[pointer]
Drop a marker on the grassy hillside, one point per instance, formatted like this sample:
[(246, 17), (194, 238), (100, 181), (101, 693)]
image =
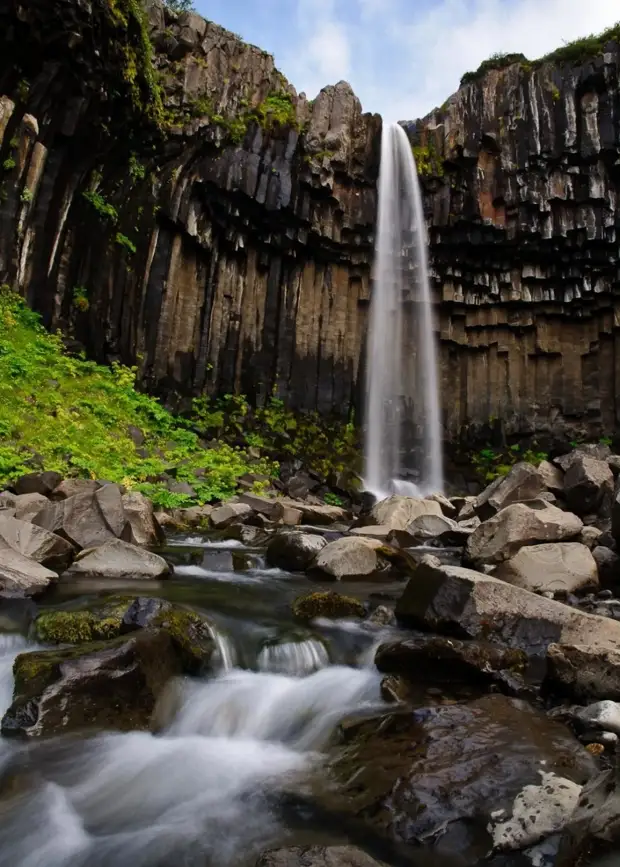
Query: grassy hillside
[(75, 416)]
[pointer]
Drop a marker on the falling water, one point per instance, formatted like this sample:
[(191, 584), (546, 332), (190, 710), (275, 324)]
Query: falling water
[(402, 382)]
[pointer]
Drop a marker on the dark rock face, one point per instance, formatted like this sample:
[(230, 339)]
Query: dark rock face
[(252, 262)]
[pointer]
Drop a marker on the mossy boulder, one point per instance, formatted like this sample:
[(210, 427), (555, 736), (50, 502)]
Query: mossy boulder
[(79, 627), (100, 685), (326, 604), (191, 636)]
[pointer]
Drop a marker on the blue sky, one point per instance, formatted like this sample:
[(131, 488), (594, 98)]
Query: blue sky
[(402, 57)]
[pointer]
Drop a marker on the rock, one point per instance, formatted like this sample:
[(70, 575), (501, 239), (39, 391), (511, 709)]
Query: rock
[(270, 508), (377, 531), (398, 512), (349, 559), (613, 462), (330, 605), (521, 524), (7, 502), (603, 715), (191, 633), (294, 551), (245, 534), (86, 520), (450, 776), (70, 487), (615, 512), (300, 485), (100, 622), (119, 560), (462, 602), (104, 685), (582, 672), (37, 483), (608, 565), (142, 613), (35, 543), (315, 514), (139, 514), (588, 486), (290, 516), (318, 856), (557, 567), (28, 505), (437, 529), (590, 537), (448, 508), (552, 477), (435, 659), (231, 513), (19, 575), (382, 616), (523, 482), (190, 518)]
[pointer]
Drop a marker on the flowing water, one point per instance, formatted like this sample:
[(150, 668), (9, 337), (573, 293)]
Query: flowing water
[(402, 401), (206, 788)]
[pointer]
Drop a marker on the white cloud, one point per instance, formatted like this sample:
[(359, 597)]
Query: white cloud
[(404, 57)]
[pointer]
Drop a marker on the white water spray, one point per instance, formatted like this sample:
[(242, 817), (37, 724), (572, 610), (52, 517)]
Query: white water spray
[(402, 400)]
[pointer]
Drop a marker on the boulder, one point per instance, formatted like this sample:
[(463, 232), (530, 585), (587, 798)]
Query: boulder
[(35, 543), (232, 513), (294, 551), (290, 516), (19, 575), (118, 560), (373, 531), (448, 508), (398, 512), (436, 659), (139, 514), (318, 856), (37, 483), (105, 685), (462, 602), (453, 776), (590, 537), (270, 508), (554, 567), (608, 566), (349, 559), (70, 487), (552, 477), (588, 486), (7, 502), (99, 622), (330, 605), (597, 451), (436, 529), (317, 514), (583, 672), (603, 715), (28, 505), (523, 482), (518, 525), (86, 520)]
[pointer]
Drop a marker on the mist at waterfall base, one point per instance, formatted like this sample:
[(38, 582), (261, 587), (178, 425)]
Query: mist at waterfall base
[(403, 452), (200, 792)]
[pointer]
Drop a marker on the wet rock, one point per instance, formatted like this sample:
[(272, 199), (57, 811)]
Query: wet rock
[(37, 483), (142, 613), (16, 613), (231, 513), (294, 551), (468, 604), (318, 856), (86, 520), (603, 715), (436, 659), (556, 567), (28, 505), (398, 512), (449, 775), (36, 543), (71, 487), (588, 485), (246, 534), (518, 525), (118, 560), (582, 672), (349, 559), (191, 635), (552, 476), (608, 565), (333, 606), (22, 576), (138, 511), (107, 685), (382, 616), (523, 482)]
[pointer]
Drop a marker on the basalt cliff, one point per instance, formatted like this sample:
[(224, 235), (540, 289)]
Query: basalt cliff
[(167, 199)]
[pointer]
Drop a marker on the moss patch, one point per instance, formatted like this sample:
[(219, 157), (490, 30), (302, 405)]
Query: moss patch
[(327, 604), (79, 627), (191, 636)]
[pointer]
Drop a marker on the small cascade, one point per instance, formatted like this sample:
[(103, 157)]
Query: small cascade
[(293, 657), (403, 415)]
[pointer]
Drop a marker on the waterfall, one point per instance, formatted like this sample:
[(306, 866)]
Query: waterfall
[(402, 400)]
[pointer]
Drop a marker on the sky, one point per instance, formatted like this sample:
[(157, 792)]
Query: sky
[(402, 57)]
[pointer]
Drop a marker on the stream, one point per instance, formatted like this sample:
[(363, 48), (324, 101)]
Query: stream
[(208, 788)]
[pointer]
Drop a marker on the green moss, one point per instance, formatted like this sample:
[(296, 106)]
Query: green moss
[(33, 672), (79, 627), (191, 636), (326, 604), (428, 161)]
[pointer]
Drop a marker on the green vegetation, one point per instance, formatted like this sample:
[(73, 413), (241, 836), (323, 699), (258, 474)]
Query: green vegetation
[(428, 161), (105, 210), (572, 53), (26, 195), (75, 416), (124, 241), (9, 164), (491, 463), (80, 299), (79, 627)]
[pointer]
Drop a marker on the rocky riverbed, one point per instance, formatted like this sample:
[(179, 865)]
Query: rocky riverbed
[(285, 683)]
